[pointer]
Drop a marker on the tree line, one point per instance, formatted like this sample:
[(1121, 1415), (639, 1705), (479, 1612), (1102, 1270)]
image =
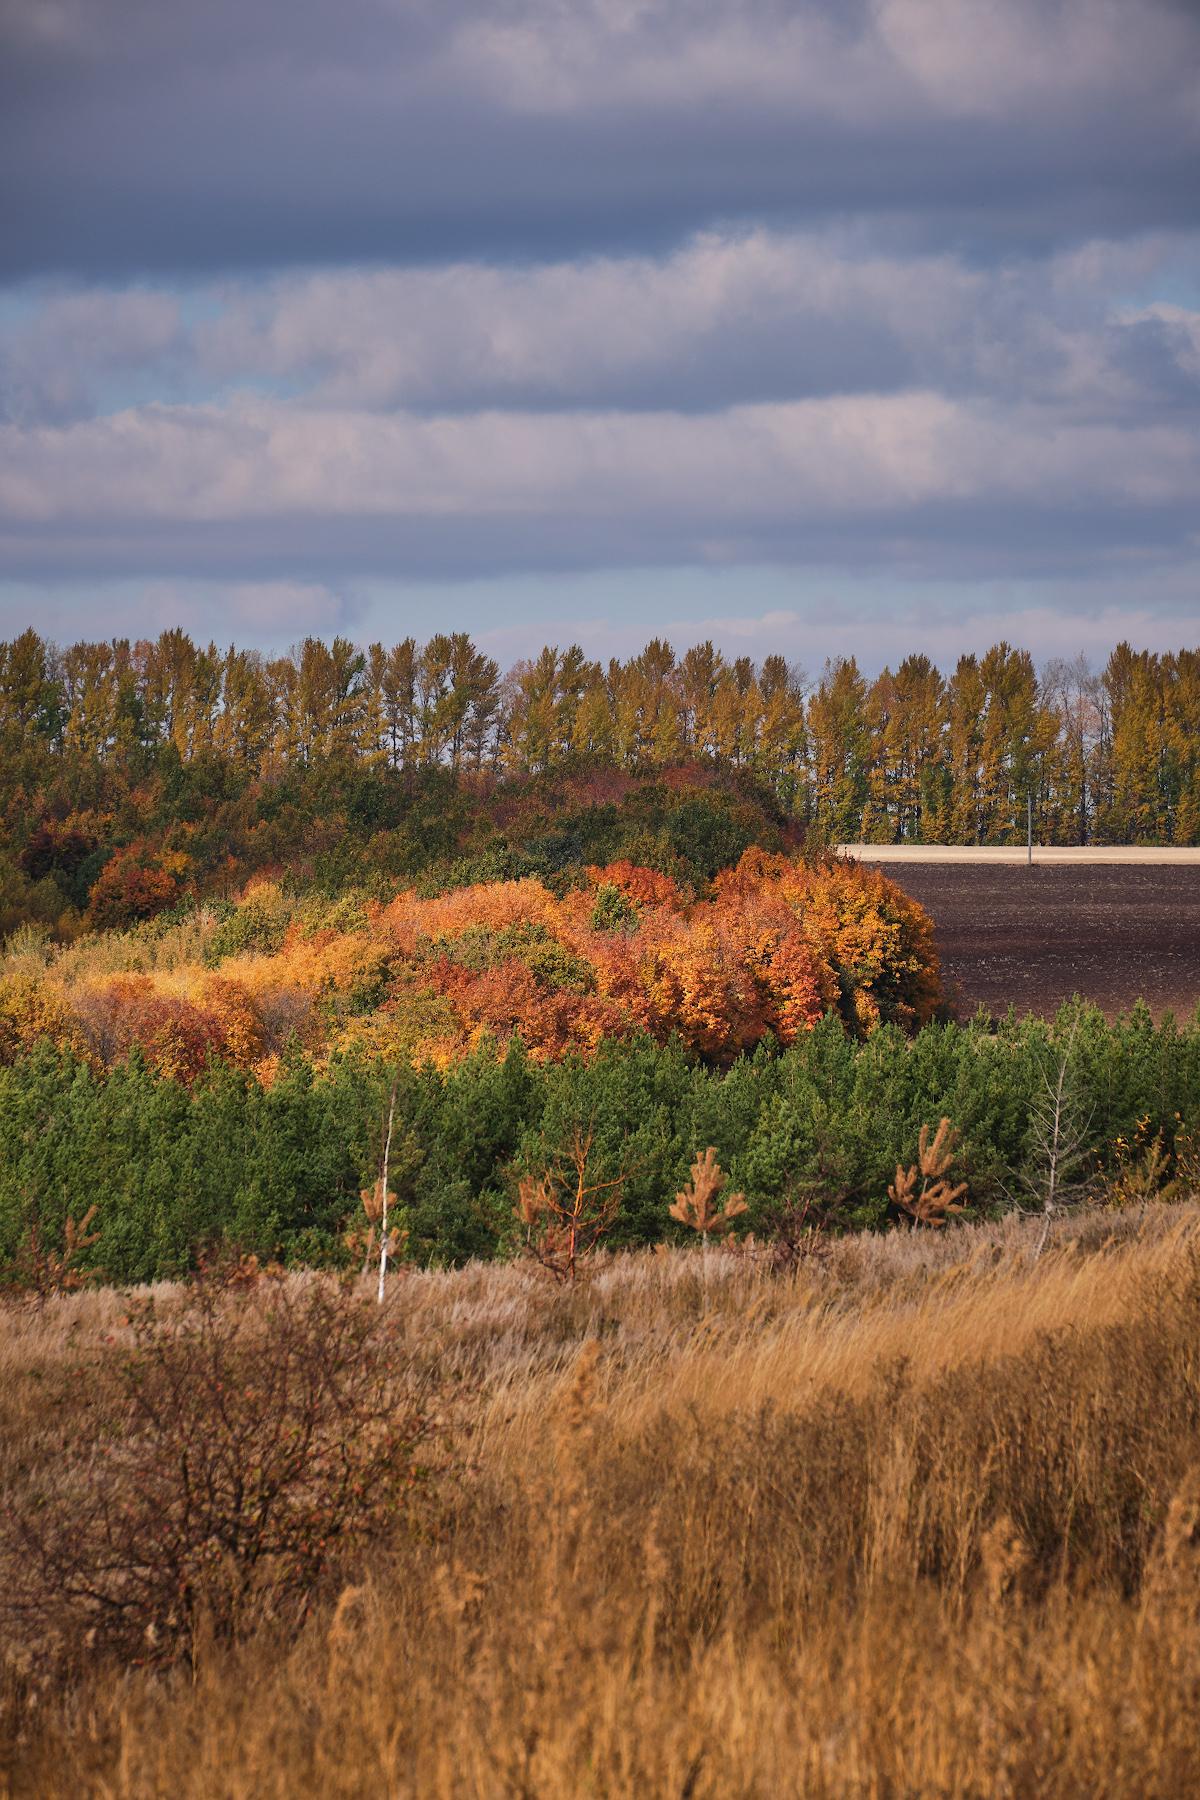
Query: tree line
[(1106, 756)]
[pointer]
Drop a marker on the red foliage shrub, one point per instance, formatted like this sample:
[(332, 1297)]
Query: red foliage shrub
[(877, 940), (646, 887), (176, 1037), (130, 887), (56, 846), (778, 944)]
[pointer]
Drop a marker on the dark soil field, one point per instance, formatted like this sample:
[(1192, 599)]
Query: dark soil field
[(1033, 937)]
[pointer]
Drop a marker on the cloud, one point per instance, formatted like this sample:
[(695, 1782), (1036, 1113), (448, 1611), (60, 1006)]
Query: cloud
[(303, 298), (55, 363), (728, 316), (915, 478), (734, 316), (962, 58), (944, 634), (139, 136), (257, 609), (275, 613)]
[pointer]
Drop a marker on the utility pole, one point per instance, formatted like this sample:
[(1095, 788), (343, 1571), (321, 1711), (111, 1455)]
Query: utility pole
[(1029, 826)]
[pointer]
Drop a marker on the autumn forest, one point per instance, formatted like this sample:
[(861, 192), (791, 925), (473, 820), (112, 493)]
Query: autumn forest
[(245, 899)]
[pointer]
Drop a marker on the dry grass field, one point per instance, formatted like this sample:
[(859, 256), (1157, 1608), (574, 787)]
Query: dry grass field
[(919, 1518)]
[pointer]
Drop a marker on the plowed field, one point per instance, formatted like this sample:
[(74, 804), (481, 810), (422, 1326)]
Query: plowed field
[(1032, 937)]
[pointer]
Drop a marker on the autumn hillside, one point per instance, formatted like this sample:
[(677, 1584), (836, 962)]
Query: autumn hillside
[(245, 903), (768, 950)]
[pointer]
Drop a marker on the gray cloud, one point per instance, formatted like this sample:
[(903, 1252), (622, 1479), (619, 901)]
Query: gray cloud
[(301, 297), (54, 365), (242, 612), (139, 136), (916, 479), (726, 318), (1049, 630)]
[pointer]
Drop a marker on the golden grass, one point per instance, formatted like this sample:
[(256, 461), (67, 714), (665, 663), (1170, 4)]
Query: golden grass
[(921, 1520)]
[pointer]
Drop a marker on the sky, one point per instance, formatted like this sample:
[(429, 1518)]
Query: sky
[(826, 327)]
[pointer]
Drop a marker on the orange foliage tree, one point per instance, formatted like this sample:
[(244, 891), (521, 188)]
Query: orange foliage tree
[(176, 1037)]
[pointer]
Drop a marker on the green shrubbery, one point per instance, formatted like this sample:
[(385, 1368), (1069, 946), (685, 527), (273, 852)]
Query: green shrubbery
[(278, 1170)]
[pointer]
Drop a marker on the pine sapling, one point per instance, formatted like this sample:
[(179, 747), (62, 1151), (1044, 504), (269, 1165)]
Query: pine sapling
[(695, 1205), (44, 1272), (364, 1240), (1146, 1180), (936, 1198)]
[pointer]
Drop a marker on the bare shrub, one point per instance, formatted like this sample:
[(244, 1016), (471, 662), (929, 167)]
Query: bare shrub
[(223, 1455), (286, 1013), (798, 1232), (565, 1214), (40, 1271), (1059, 1133)]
